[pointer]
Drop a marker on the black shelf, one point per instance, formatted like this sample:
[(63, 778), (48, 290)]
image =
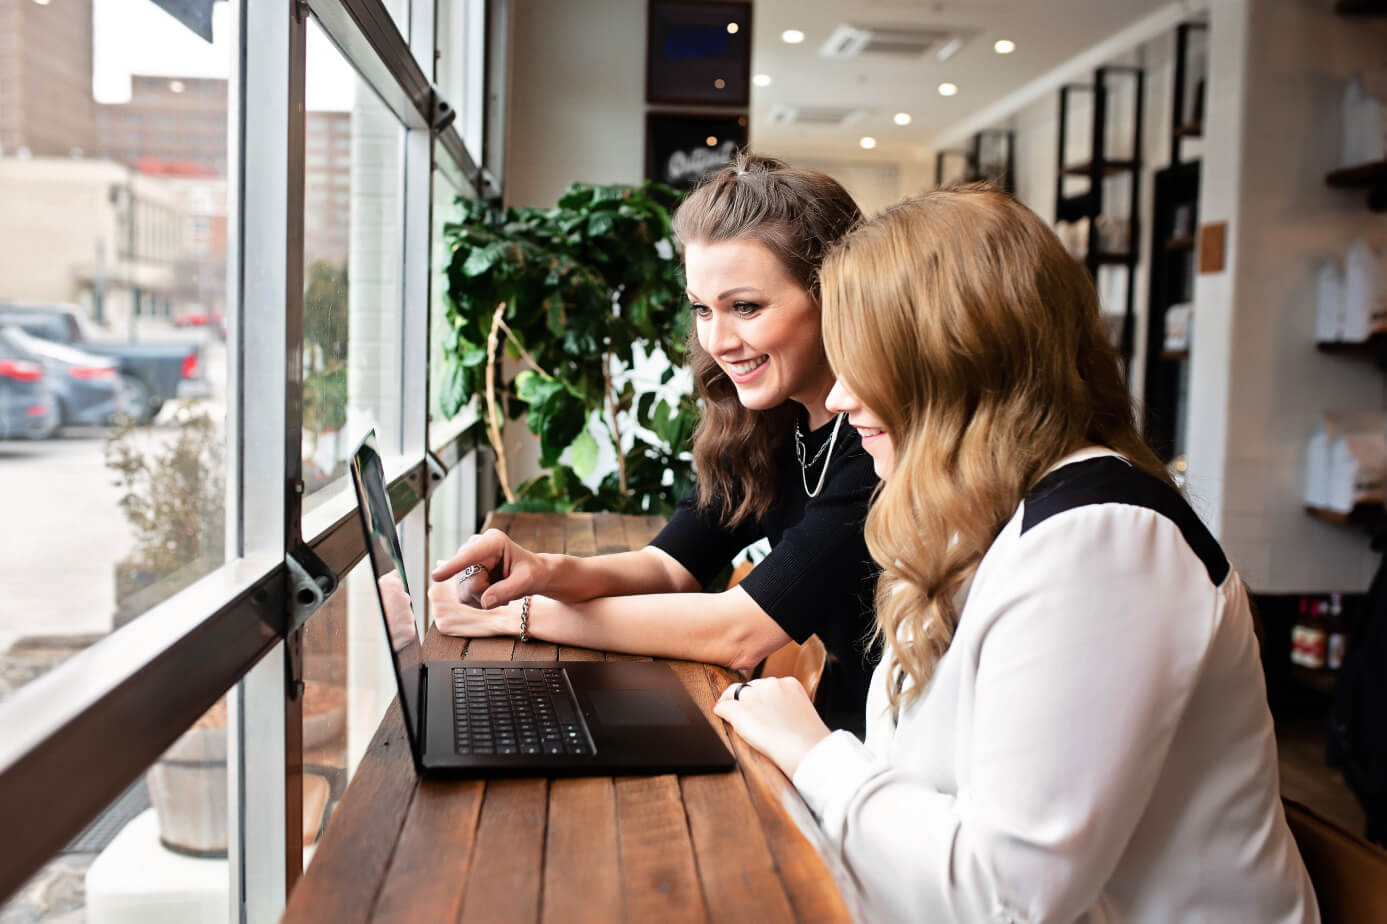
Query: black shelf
[(978, 168), (1370, 176), (1175, 218), (1361, 7), (1098, 168), (1107, 168), (1359, 176)]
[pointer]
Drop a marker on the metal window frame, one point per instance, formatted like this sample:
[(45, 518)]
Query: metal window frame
[(226, 631)]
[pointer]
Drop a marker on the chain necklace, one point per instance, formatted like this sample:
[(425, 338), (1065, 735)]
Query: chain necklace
[(828, 447)]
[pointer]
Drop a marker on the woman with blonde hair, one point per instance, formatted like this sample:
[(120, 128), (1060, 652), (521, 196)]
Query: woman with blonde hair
[(772, 462), (1069, 720)]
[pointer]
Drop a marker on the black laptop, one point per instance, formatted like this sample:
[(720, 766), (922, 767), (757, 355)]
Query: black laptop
[(524, 718)]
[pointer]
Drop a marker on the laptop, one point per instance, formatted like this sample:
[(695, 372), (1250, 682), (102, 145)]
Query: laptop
[(524, 718)]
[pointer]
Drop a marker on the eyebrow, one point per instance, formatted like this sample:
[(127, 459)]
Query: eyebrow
[(723, 295)]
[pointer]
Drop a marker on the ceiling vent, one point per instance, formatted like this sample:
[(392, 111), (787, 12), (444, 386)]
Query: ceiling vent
[(857, 41), (826, 116)]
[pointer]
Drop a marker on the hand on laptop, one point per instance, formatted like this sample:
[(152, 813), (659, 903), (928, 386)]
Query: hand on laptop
[(515, 571)]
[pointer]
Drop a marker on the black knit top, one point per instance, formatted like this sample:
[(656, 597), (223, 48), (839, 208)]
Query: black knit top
[(818, 578)]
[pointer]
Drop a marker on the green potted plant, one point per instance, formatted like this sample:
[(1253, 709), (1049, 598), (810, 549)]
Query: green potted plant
[(572, 294)]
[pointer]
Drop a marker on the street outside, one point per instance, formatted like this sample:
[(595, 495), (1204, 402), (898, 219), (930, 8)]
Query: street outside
[(65, 529)]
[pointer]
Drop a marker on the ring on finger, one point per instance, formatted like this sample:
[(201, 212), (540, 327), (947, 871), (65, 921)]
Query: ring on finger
[(470, 571)]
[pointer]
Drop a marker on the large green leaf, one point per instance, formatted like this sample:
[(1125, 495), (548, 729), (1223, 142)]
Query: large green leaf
[(583, 453)]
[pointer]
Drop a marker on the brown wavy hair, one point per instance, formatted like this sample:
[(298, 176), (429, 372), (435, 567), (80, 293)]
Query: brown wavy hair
[(959, 319), (798, 215)]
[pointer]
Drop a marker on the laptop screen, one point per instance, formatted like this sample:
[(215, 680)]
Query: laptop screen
[(392, 591)]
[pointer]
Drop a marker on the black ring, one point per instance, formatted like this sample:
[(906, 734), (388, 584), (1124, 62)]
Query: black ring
[(737, 693)]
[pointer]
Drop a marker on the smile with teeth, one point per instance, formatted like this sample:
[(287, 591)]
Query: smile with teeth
[(869, 432), (750, 365)]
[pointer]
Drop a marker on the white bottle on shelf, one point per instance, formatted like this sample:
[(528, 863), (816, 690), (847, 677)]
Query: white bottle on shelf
[(1329, 303)]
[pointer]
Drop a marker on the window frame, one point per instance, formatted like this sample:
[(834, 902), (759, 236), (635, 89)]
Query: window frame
[(226, 633)]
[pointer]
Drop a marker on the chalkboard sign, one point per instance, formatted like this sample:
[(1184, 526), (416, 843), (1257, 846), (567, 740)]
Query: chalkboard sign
[(681, 148), (698, 53)]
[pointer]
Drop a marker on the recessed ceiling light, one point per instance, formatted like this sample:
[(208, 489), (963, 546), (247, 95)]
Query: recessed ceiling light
[(901, 118), (712, 141), (1004, 46), (719, 83), (41, 2), (762, 80), (732, 28), (792, 36), (947, 89), (867, 142), (176, 86)]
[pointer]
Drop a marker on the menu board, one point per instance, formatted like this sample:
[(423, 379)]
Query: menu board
[(698, 53), (682, 148)]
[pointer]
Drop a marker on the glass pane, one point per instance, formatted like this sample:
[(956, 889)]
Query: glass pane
[(112, 317), (445, 210), (353, 259), (158, 851), (349, 684), (453, 509), (461, 74)]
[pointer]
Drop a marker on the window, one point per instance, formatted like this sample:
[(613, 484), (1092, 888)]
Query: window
[(193, 264)]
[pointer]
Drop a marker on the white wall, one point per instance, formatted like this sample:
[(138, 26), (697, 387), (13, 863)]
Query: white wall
[(1260, 383), (577, 97)]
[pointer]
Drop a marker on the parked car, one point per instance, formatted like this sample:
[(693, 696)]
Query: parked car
[(151, 373), (87, 387), (27, 407)]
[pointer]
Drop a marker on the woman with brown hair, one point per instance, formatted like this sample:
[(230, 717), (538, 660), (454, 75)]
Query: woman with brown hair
[(1069, 720), (771, 462)]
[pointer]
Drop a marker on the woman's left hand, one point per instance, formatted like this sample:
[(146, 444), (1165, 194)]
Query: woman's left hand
[(775, 716)]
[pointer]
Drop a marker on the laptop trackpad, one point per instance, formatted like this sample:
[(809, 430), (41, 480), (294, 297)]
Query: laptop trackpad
[(637, 707)]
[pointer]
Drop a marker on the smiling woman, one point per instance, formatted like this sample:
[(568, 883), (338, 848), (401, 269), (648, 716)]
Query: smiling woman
[(754, 236)]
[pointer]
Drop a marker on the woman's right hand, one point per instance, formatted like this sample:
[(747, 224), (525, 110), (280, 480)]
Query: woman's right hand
[(506, 570)]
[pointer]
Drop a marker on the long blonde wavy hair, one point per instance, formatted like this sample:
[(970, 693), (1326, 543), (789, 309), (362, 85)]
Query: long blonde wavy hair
[(798, 215), (959, 319)]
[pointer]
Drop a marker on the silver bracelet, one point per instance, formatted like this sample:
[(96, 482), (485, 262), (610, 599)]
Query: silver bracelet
[(525, 618)]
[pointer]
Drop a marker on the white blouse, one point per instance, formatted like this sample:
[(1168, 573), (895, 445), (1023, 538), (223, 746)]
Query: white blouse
[(1094, 746)]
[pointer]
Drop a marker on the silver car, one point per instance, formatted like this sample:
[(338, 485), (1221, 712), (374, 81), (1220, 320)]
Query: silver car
[(87, 387)]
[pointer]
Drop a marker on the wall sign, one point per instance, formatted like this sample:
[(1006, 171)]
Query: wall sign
[(698, 53), (682, 148)]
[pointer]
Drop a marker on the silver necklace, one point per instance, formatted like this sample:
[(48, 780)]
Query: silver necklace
[(804, 468)]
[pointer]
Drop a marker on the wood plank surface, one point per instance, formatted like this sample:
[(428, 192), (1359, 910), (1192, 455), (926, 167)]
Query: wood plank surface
[(659, 878), (582, 862), (349, 865), (735, 865), (808, 883), (504, 879), (663, 848)]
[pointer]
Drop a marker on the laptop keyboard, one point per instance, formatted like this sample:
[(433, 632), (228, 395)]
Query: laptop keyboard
[(516, 711)]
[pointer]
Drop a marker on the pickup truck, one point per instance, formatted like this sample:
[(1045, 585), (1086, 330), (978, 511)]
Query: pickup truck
[(151, 373)]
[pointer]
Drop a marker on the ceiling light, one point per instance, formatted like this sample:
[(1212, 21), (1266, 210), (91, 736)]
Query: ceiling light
[(719, 83), (867, 142), (947, 89), (762, 80), (176, 86), (712, 141), (792, 36), (901, 118), (732, 28), (1004, 46), (41, 2)]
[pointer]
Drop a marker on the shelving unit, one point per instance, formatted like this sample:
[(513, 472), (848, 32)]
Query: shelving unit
[(1098, 168), (1175, 216), (1372, 177), (975, 165)]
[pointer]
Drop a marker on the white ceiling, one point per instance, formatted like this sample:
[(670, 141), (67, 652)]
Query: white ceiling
[(1047, 33)]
